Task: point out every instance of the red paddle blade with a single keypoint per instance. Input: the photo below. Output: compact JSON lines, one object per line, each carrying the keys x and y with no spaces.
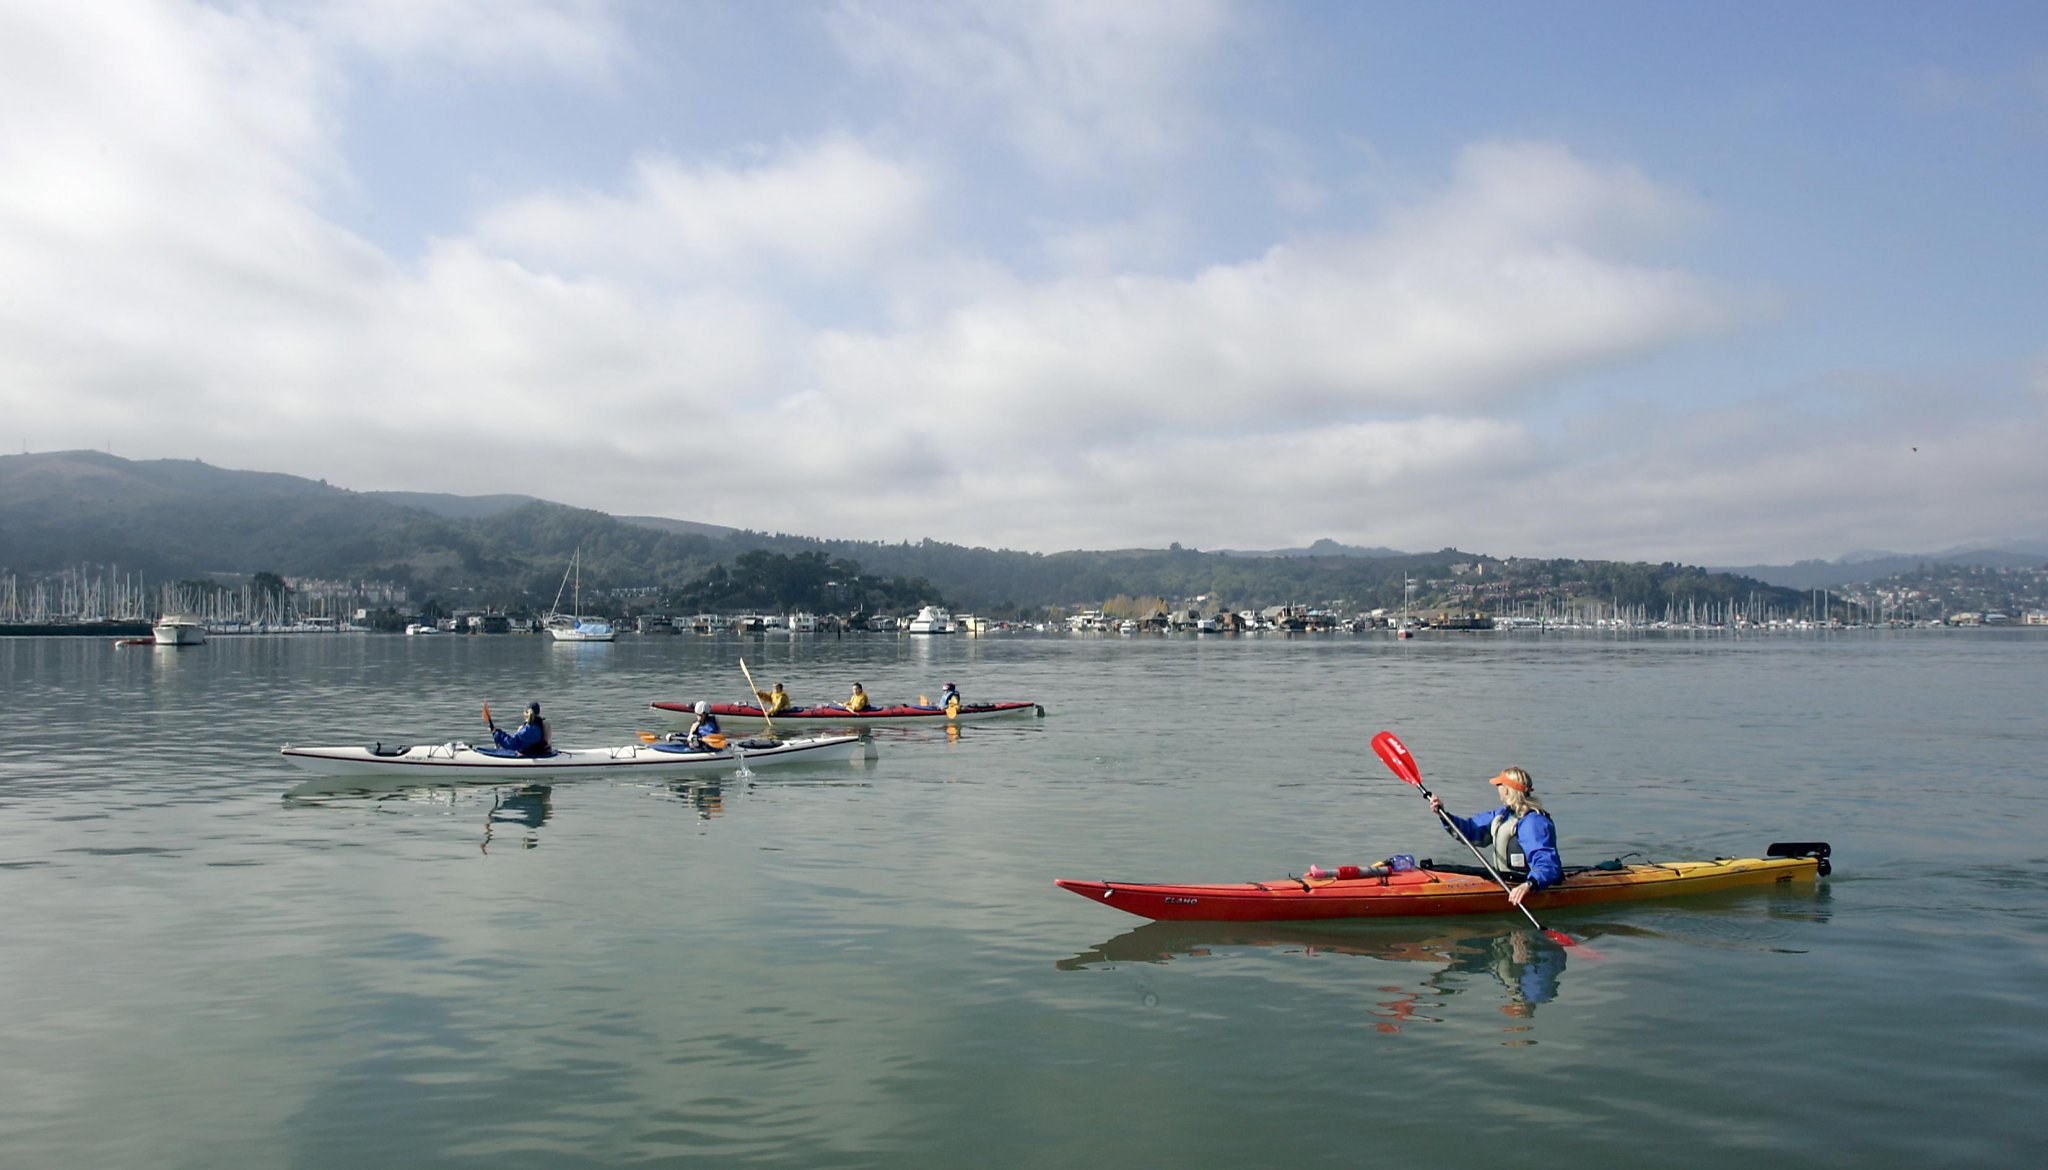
{"x":1396,"y":755}
{"x":1559,"y":938}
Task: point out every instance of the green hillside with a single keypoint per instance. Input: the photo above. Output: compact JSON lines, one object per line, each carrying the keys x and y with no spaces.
{"x":174,"y":520}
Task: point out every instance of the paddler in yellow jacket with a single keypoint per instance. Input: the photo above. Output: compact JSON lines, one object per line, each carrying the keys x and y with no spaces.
{"x":774,"y":702}
{"x":950,"y":700}
{"x":859,"y":701}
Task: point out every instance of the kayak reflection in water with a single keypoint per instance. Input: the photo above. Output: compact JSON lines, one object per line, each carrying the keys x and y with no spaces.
{"x":1528,"y":967}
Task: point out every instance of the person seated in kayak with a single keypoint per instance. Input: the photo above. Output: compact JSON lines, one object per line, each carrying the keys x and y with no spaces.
{"x":1520,"y":834}
{"x":532,"y":737}
{"x":705,"y":724}
{"x":859,"y":701}
{"x":774,"y":701}
{"x":950,"y":699}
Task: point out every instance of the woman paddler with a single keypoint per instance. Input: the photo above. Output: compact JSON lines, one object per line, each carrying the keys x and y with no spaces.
{"x":1519,"y":834}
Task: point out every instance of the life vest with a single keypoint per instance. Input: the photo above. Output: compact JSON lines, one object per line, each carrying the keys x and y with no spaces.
{"x":858,"y":703}
{"x":1507,"y":841}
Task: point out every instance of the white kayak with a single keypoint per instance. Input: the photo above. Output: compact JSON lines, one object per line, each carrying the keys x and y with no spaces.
{"x":462,"y":763}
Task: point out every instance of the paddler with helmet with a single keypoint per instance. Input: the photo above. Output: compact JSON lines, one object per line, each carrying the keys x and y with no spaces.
{"x":1519,"y":835}
{"x":705,"y":724}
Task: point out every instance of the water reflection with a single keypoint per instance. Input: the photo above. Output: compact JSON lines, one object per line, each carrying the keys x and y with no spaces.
{"x":1521,"y":969}
{"x":528,"y":806}
{"x":705,"y":796}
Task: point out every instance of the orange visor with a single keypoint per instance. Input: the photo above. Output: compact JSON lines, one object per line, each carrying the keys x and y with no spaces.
{"x":1507,"y":781}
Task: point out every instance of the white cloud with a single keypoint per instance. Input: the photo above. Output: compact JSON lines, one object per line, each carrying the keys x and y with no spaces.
{"x":1482,"y":294}
{"x":819,"y":209}
{"x":576,"y":39}
{"x":815,"y":335}
{"x":1075,"y":84}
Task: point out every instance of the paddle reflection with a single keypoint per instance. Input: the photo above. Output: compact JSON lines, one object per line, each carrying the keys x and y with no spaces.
{"x":528,"y":806}
{"x":1519,"y":967}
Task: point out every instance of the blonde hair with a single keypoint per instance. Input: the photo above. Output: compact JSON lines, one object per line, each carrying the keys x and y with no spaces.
{"x":1520,"y":793}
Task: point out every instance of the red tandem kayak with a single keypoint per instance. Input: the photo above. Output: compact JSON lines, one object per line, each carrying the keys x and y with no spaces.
{"x":1374,"y":892}
{"x":749,"y":714}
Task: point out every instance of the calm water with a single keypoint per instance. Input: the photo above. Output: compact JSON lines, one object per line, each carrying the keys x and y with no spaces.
{"x":870,"y":966}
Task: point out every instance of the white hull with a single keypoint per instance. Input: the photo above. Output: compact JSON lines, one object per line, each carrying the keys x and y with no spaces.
{"x":583,"y":631}
{"x":461,"y":763}
{"x":179,"y":631}
{"x":931,"y":620}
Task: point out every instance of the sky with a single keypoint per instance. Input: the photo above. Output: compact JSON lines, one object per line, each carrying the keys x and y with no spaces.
{"x":1721,"y":284}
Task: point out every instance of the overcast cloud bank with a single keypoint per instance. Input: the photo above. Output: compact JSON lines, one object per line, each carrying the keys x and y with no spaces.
{"x":1038,"y":276}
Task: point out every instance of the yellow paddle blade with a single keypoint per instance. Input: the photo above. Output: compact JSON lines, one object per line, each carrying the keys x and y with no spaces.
{"x":648,"y":737}
{"x":487,"y":711}
{"x":714,"y":740}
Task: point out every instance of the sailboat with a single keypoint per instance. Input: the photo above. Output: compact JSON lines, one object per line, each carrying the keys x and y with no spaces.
{"x":572,"y":627}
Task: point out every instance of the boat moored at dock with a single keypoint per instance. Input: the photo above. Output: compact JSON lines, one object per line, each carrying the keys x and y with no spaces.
{"x":179,"y":630}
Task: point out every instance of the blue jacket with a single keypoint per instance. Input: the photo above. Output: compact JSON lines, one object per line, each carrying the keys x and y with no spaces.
{"x":529,"y":740}
{"x":1536,"y":835}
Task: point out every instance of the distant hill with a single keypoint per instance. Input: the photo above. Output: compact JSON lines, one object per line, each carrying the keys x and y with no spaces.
{"x":681,"y":527}
{"x":173,"y":520}
{"x":455,"y":507}
{"x":1321,"y":548}
{"x":1859,"y":567}
{"x":485,"y":507}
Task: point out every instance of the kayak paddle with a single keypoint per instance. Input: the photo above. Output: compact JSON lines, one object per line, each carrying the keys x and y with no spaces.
{"x":1398,"y":758}
{"x":487,"y":716}
{"x":766,"y":721}
{"x":713,"y":741}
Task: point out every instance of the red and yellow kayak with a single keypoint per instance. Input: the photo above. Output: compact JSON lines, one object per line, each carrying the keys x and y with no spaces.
{"x":750,"y":715}
{"x":1425,"y":892}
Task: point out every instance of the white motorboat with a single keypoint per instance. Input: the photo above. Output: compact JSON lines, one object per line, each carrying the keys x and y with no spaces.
{"x":178,"y":629}
{"x":932,"y":619}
